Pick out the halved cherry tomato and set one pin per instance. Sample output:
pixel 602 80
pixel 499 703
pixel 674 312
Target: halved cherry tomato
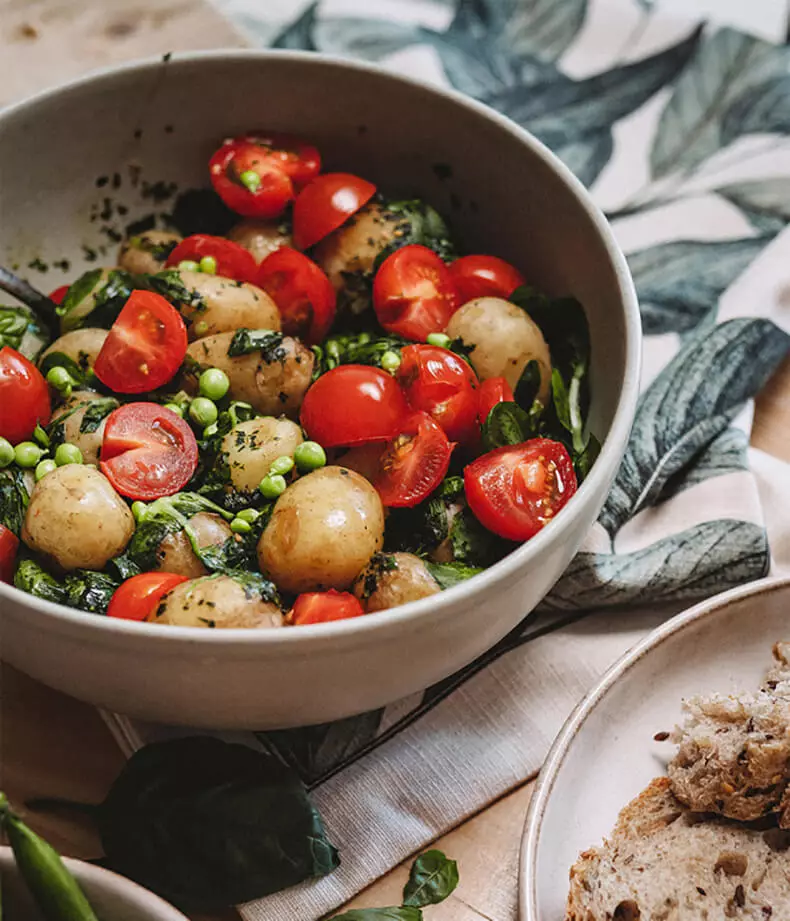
pixel 138 597
pixel 514 491
pixel 414 464
pixel 321 607
pixel 147 451
pixel 9 545
pixel 59 293
pixel 303 294
pixel 326 203
pixel 413 294
pixel 484 276
pixel 440 383
pixel 233 261
pixel 299 160
pixel 145 346
pixel 24 396
pixel 492 391
pixel 267 196
pixel 353 404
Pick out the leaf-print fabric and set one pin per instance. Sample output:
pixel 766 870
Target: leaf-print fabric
pixel 682 132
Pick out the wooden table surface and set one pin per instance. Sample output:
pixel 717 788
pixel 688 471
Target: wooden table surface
pixel 51 745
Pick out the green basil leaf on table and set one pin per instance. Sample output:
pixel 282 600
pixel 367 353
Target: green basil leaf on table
pixel 432 879
pixel 380 914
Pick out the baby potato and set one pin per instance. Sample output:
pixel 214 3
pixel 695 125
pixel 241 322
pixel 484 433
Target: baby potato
pixel 72 413
pixel 503 340
pixel 273 381
pixel 175 553
pixel 217 601
pixel 82 346
pixel 260 237
pixel 76 519
pixel 147 252
pixel 219 305
pixel 323 530
pixel 251 448
pixel 392 579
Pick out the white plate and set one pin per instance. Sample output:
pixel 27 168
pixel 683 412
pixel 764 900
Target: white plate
pixel 605 754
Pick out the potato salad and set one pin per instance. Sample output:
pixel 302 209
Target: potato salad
pixel 322 413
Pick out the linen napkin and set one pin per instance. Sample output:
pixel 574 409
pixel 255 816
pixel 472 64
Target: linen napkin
pixel 681 129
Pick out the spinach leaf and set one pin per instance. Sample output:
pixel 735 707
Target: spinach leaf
pixel 35 580
pixel 380 914
pixel 417 222
pixel 507 424
pixel 78 291
pixel 432 879
pixel 212 477
pixel 265 341
pixel 20 330
pixel 124 566
pixel 96 413
pixel 449 574
pixel 90 591
pixel 13 499
pixel 110 299
pixel 208 824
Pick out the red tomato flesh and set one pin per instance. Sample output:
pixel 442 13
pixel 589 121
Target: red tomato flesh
pixel 24 396
pixel 303 294
pixel 299 160
pixel 233 261
pixel 353 404
pixel 274 187
pixel 137 598
pixel 145 347
pixel 413 293
pixel 440 383
pixel 321 607
pixel 59 293
pixel 9 545
pixel 326 203
pixel 492 391
pixel 484 276
pixel 147 451
pixel 414 464
pixel 514 491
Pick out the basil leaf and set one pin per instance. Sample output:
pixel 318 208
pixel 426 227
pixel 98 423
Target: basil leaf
pixel 432 879
pixel 90 591
pixel 14 498
pixel 583 460
pixel 449 574
pixel 559 394
pixel 20 330
pixel 268 343
pixel 78 291
pixel 507 424
pixel 208 824
pixel 380 914
pixel 35 580
pixel 528 386
pixel 96 413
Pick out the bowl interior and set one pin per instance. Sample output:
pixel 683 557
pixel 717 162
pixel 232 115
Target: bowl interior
pixel 81 164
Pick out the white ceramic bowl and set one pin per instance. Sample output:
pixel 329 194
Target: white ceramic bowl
pixel 506 194
pixel 112 897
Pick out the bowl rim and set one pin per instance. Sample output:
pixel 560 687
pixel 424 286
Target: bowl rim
pixel 130 892
pixel 598 479
pixel 558 753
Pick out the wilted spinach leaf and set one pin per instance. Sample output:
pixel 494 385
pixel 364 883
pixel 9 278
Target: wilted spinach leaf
pixel 416 222
pixel 89 591
pixel 432 879
pixel 265 341
pixel 35 580
pixel 13 499
pixel 208 824
pixel 96 413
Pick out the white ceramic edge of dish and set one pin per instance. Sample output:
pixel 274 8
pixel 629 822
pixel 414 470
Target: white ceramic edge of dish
pixel 612 447
pixel 527 901
pixel 143 900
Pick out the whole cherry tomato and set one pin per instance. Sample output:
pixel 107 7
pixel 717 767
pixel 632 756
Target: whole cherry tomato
pixel 484 276
pixel 326 203
pixel 24 396
pixel 249 181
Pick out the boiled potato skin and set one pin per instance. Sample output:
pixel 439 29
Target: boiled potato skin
pixel 260 237
pixel 216 601
pixel 272 387
pixel 175 553
pixel 223 305
pixel 393 579
pixel 82 346
pixel 89 443
pixel 504 340
pixel 323 530
pixel 136 256
pixel 76 519
pixel 251 448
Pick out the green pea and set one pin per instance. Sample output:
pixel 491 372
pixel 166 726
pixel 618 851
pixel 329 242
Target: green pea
pixel 213 384
pixel 59 379
pixel 201 328
pixel 210 430
pixel 250 179
pixel 272 486
pixel 176 408
pixel 309 455
pixel 249 515
pixel 41 436
pixel 208 265
pixel 203 411
pixel 44 467
pixel 390 360
pixel 6 452
pixel 138 510
pixel 27 454
pixel 188 265
pixel 281 465
pixel 440 339
pixel 240 526
pixel 67 454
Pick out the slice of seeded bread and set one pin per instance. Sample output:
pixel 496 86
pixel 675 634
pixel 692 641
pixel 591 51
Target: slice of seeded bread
pixel 734 752
pixel 664 863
